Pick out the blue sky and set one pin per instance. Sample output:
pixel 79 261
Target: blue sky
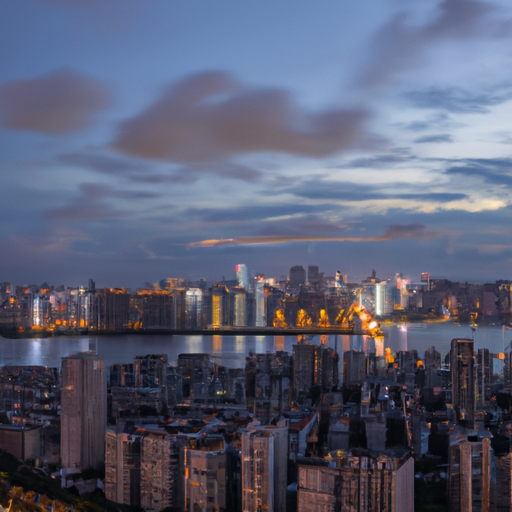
pixel 143 140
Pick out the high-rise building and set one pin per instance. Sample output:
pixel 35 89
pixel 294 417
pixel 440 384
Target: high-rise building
pixel 469 475
pixel 239 306
pixel 160 481
pixel 356 482
pixel 257 471
pixel 242 274
pixel 265 467
pixel 122 468
pixel 83 412
pixel 304 367
pixel 462 361
pixel 220 298
pixel 315 277
pixel 484 376
pixel 297 277
pixel 314 366
pixel 194 309
pixel 113 309
pixel 195 371
pixel 205 475
pixel 354 368
pixel 260 303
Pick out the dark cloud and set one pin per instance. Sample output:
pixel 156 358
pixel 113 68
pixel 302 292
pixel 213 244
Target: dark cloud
pixel 58 102
pixel 437 197
pixel 102 163
pixel 177 178
pixel 455 99
pixel 379 161
pixel 331 190
pixel 210 117
pixel 495 171
pixel 414 230
pixel 400 43
pixel 441 138
pixel 92 205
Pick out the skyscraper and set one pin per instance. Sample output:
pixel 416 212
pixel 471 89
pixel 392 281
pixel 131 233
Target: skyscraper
pixel 297 277
pixel 205 474
pixel 356 482
pixel 469 475
pixel 242 274
pixel 122 468
pixel 83 412
pixel 265 467
pixel 462 362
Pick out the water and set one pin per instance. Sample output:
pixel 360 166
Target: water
pixel 231 351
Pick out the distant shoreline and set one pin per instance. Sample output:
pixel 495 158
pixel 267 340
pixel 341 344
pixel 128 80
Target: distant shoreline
pixel 231 331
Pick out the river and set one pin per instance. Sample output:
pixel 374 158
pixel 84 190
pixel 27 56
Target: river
pixel 231 351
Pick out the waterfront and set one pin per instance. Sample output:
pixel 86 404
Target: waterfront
pixel 231 351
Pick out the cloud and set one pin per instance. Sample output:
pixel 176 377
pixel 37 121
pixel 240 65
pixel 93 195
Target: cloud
pixel 332 190
pixel 260 213
pixel 211 117
pixel 380 161
pixel 400 43
pixel 442 137
pixel 91 204
pixel 456 99
pixel 101 163
pixel 59 102
pixel 394 232
pixel 496 171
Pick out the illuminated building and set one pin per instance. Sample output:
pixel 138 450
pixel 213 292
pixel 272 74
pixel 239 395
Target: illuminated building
pixel 265 467
pixel 378 295
pixel 356 482
pixel 113 309
pixel 469 475
pixel 484 376
pixel 220 300
pixel 239 306
pixel 122 468
pixel 462 362
pixel 83 412
pixel 194 309
pixel 205 474
pixel 260 303
pixel 242 274
pixel 41 311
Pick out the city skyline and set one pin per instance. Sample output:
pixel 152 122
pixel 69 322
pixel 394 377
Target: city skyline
pixel 181 139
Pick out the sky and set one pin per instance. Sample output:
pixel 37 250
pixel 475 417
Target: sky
pixel 144 140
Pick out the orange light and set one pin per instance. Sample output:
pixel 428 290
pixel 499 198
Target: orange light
pixel 501 356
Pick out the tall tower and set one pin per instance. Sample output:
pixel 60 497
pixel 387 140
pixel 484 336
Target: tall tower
pixel 265 467
pixel 469 475
pixel 83 412
pixel 462 363
pixel 242 274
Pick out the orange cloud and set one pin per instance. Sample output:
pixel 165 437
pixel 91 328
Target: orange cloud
pixel 394 232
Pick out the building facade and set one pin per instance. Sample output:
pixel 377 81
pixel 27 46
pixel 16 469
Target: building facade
pixel 83 411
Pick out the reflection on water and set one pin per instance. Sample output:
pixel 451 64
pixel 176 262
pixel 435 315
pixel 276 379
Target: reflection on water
pixel 232 350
